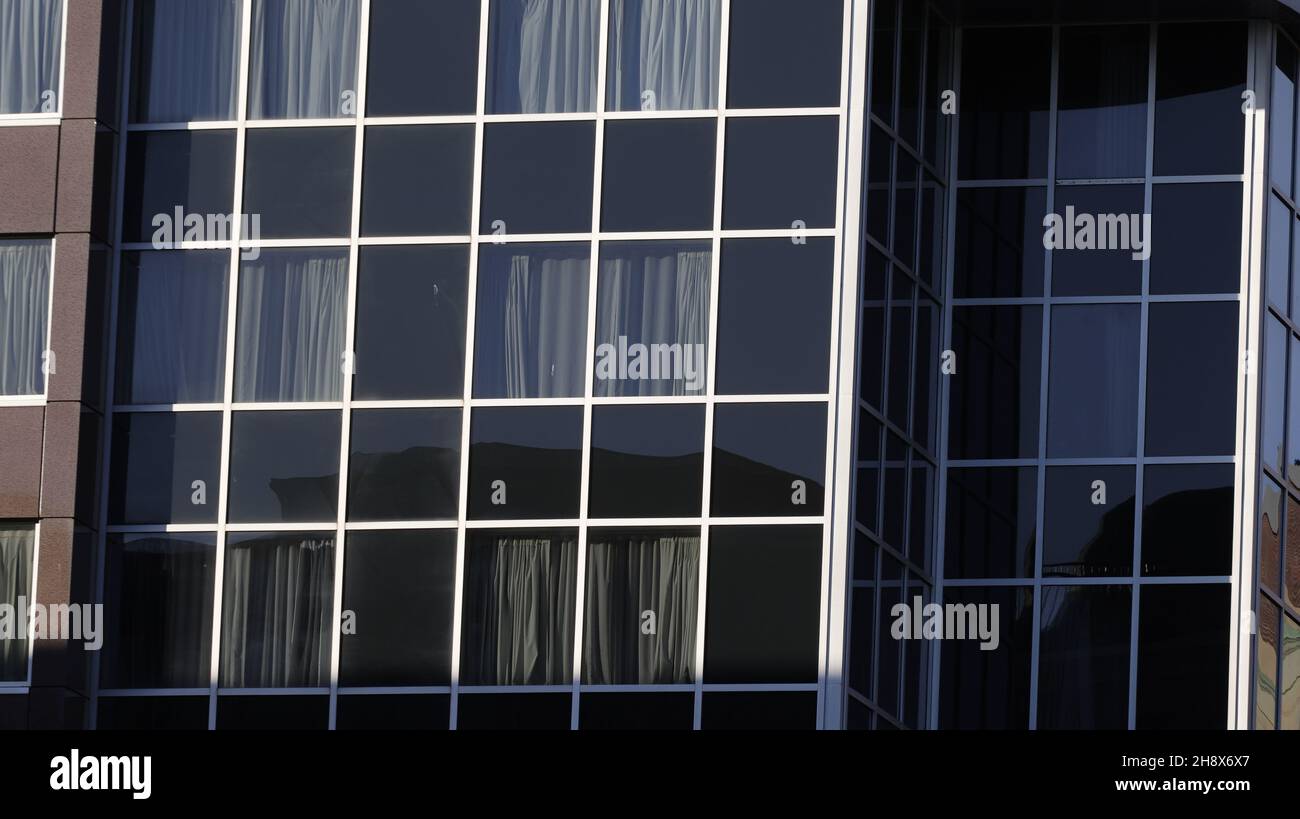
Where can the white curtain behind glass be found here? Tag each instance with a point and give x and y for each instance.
(533, 326)
(24, 314)
(544, 55)
(654, 298)
(521, 612)
(625, 579)
(192, 61)
(291, 316)
(177, 347)
(303, 58)
(276, 613)
(666, 47)
(31, 35)
(17, 547)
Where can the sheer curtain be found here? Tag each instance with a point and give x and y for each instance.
(188, 60)
(173, 339)
(666, 47)
(276, 612)
(543, 56)
(303, 58)
(31, 35)
(291, 324)
(24, 314)
(628, 576)
(533, 308)
(656, 294)
(160, 611)
(17, 547)
(519, 610)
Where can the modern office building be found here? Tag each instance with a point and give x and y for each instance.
(625, 363)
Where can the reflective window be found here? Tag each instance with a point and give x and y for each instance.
(410, 332)
(768, 459)
(542, 56)
(785, 58)
(393, 581)
(1270, 534)
(995, 394)
(418, 180)
(982, 689)
(171, 345)
(1092, 404)
(1182, 657)
(392, 712)
(525, 463)
(991, 522)
(279, 713)
(25, 276)
(519, 607)
(159, 611)
(764, 604)
(658, 175)
(1282, 119)
(531, 324)
(780, 173)
(1182, 216)
(514, 712)
(298, 182)
(303, 59)
(1083, 658)
(999, 242)
(410, 43)
(537, 177)
(166, 467)
(292, 308)
(1191, 395)
(1096, 254)
(152, 713)
(1200, 77)
(182, 186)
(1290, 684)
(1266, 665)
(284, 467)
(277, 610)
(652, 319)
(633, 712)
(1006, 89)
(1088, 521)
(646, 461)
(186, 60)
(1281, 222)
(1187, 519)
(759, 711)
(640, 607)
(404, 464)
(1101, 129)
(1273, 422)
(774, 316)
(663, 55)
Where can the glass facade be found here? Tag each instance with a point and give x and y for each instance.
(1065, 455)
(500, 400)
(600, 364)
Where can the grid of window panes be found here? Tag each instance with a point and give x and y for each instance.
(1088, 481)
(1276, 694)
(502, 399)
(905, 199)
